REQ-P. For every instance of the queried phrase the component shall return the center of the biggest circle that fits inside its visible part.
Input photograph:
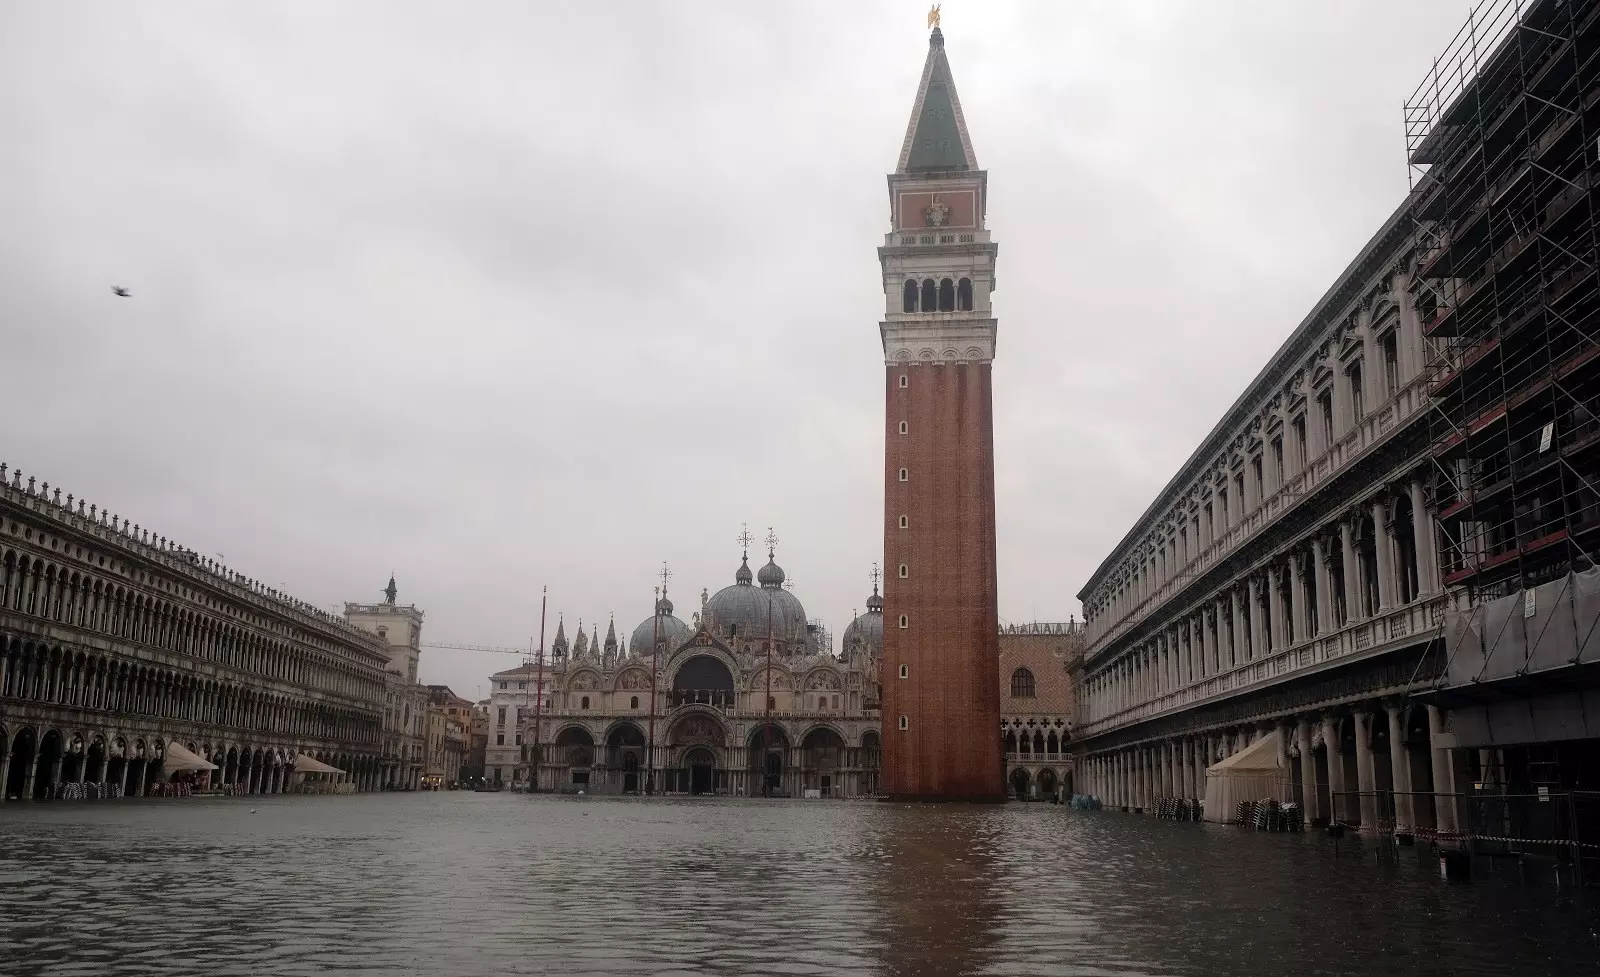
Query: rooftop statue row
(94, 515)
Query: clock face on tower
(937, 214)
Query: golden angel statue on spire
(933, 16)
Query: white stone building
(399, 627)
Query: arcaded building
(1038, 706)
(1285, 582)
(121, 650)
(938, 332)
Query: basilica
(748, 699)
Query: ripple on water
(471, 884)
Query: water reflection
(935, 907)
(472, 884)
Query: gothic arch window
(947, 295)
(909, 296)
(930, 295)
(905, 476)
(584, 704)
(964, 295)
(905, 522)
(905, 622)
(633, 702)
(905, 571)
(1022, 684)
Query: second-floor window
(1022, 684)
(500, 716)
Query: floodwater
(483, 884)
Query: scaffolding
(1500, 141)
(1502, 155)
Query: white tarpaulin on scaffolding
(1252, 774)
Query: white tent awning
(1252, 774)
(178, 759)
(305, 764)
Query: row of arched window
(1035, 744)
(944, 295)
(80, 600)
(37, 673)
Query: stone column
(1444, 774)
(1297, 586)
(1365, 774)
(1319, 559)
(1423, 540)
(1330, 742)
(1383, 543)
(1310, 799)
(1260, 642)
(1186, 768)
(1241, 645)
(33, 771)
(1404, 811)
(1352, 572)
(1341, 404)
(1280, 618)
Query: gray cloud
(524, 294)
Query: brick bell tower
(941, 693)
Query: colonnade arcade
(40, 762)
(1371, 764)
(1370, 561)
(35, 672)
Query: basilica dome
(743, 612)
(673, 631)
(867, 630)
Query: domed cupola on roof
(864, 635)
(771, 575)
(744, 614)
(662, 626)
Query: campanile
(941, 695)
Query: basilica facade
(746, 699)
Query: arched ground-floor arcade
(44, 760)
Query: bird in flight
(118, 290)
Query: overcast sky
(504, 295)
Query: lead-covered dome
(672, 634)
(742, 612)
(865, 633)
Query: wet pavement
(481, 884)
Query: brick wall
(1046, 656)
(950, 697)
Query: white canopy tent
(179, 759)
(1252, 774)
(305, 764)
